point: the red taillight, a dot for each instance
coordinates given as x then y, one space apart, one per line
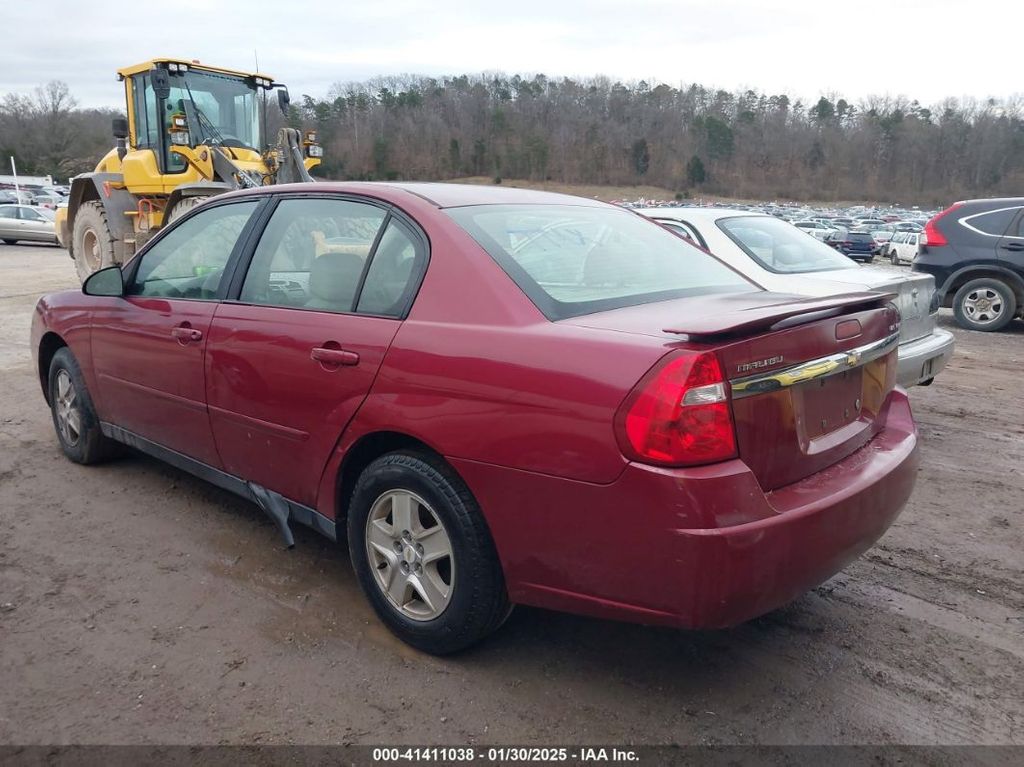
932 236
679 415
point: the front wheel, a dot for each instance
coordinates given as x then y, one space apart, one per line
9 242
74 417
92 244
423 554
984 304
894 257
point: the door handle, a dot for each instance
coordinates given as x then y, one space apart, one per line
333 357
184 335
1014 246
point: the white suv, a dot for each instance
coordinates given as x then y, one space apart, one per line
902 247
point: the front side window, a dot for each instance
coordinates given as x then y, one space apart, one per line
189 260
573 260
313 254
781 247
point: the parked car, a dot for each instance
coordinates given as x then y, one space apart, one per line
975 252
771 254
858 245
814 228
902 248
503 396
869 223
28 223
881 237
45 200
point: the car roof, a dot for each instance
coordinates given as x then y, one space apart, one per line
994 200
699 214
440 195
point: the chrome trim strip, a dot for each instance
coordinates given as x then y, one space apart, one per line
811 370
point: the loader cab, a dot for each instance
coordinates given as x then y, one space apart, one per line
174 103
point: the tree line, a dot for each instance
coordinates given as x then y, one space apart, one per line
600 131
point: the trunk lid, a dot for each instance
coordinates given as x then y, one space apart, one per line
809 378
913 295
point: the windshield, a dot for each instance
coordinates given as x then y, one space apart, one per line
781 247
577 260
227 108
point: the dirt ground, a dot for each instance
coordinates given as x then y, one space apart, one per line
141 605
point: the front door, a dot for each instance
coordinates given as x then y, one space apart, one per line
148 347
289 362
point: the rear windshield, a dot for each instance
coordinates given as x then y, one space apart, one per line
780 247
577 260
860 237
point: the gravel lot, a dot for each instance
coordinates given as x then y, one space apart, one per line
141 605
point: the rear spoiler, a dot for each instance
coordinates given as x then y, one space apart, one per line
775 312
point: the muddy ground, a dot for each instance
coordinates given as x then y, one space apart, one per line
141 605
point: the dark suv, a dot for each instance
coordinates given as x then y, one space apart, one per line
975 251
860 246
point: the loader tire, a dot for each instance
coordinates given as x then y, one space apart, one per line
92 244
183 206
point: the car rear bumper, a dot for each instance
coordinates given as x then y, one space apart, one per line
693 548
922 359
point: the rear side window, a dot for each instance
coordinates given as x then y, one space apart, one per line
335 255
993 223
573 260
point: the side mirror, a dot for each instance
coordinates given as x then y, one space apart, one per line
161 82
106 282
284 100
120 127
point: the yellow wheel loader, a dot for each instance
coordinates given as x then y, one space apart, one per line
192 131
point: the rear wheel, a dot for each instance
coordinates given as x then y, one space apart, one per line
423 554
92 242
74 417
9 242
894 257
984 304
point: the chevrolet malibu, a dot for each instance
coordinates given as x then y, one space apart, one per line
495 397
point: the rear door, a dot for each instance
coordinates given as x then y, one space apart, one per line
1011 246
148 347
9 222
292 357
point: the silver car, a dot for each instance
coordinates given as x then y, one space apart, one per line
780 257
28 223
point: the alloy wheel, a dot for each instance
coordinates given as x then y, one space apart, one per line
69 417
410 555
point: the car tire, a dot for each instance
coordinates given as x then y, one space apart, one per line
439 599
9 242
894 258
74 417
987 304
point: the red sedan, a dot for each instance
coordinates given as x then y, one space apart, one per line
502 396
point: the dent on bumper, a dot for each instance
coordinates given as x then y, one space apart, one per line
923 358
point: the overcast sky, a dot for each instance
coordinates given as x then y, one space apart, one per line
924 49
